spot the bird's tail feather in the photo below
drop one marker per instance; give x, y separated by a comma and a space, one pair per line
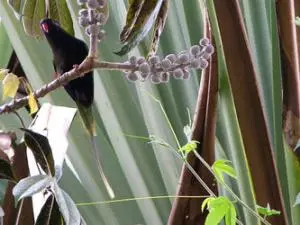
100, 168
89, 123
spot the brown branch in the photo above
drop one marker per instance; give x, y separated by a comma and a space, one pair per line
86, 66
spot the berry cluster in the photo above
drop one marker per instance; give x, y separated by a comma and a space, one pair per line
173, 65
92, 18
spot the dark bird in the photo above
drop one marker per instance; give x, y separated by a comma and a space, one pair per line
69, 51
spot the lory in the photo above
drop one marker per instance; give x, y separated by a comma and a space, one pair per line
68, 52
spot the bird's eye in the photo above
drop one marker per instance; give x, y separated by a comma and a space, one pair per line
45, 27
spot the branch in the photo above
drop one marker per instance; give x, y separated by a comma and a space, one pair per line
86, 66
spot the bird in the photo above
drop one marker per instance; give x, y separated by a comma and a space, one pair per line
69, 52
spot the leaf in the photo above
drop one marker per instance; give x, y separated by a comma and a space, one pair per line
16, 6
6, 170
33, 12
41, 149
3, 73
230, 217
33, 105
66, 206
59, 11
219, 208
10, 85
141, 16
220, 166
158, 27
31, 185
267, 211
206, 202
189, 147
297, 201
50, 213
297, 21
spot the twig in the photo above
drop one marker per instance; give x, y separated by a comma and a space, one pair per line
86, 66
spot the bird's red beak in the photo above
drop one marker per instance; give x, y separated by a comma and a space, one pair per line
44, 27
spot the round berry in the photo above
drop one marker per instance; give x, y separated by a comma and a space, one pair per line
132, 76
92, 4
83, 12
144, 68
183, 58
195, 50
83, 21
178, 73
154, 59
210, 49
204, 42
155, 79
203, 63
166, 64
165, 78
171, 57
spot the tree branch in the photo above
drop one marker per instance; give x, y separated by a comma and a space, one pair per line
86, 66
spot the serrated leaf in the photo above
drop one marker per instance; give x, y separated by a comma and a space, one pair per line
219, 208
33, 12
41, 149
50, 213
3, 73
158, 27
31, 185
267, 211
33, 105
66, 206
220, 167
140, 18
189, 147
6, 171
10, 85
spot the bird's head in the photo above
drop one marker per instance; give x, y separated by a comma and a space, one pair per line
49, 26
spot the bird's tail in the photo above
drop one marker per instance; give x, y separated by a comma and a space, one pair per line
89, 123
100, 168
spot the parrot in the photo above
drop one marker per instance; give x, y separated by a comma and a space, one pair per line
69, 52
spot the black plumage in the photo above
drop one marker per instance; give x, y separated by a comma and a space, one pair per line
69, 51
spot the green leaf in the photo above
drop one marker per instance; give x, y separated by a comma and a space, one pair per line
66, 206
230, 217
267, 211
5, 46
219, 208
206, 202
16, 6
10, 85
31, 185
50, 213
33, 12
59, 11
189, 147
6, 170
141, 16
220, 166
41, 149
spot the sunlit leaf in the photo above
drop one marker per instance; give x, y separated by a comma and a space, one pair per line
41, 149
10, 85
221, 166
297, 201
267, 211
3, 73
31, 185
33, 105
189, 147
